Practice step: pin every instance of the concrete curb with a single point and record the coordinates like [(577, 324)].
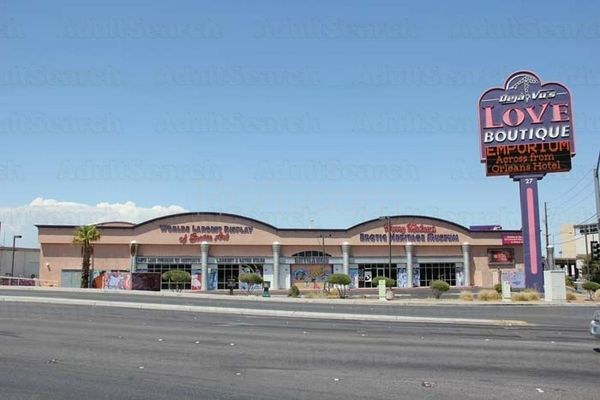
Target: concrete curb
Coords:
[(262, 313), (285, 299)]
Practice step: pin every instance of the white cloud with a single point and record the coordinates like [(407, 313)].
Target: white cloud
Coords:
[(20, 220)]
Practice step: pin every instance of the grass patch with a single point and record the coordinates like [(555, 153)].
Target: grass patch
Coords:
[(466, 295), (486, 295), (526, 295), (315, 295)]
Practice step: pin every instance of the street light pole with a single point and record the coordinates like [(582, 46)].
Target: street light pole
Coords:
[(12, 268), (322, 236)]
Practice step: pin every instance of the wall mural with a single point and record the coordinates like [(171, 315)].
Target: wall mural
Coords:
[(310, 276)]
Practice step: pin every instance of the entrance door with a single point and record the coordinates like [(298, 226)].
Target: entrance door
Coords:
[(226, 272), (70, 278)]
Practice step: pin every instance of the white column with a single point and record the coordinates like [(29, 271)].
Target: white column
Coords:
[(276, 252), (204, 260), (467, 263), (346, 257), (409, 263)]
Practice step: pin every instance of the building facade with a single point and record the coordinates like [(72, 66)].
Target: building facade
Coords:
[(26, 261), (573, 250), (217, 247)]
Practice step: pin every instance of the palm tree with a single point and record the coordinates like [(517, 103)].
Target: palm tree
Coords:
[(84, 236)]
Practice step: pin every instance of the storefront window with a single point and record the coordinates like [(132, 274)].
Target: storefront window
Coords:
[(367, 272), (162, 268), (434, 271), (232, 271)]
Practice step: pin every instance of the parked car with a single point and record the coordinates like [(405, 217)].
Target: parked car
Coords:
[(595, 324)]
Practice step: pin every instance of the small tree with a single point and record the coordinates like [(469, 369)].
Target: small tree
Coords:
[(439, 287), (178, 277), (341, 281), (591, 287), (251, 279), (389, 282)]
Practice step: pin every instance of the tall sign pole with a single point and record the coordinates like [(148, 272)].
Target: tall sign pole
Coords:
[(526, 131), (530, 222)]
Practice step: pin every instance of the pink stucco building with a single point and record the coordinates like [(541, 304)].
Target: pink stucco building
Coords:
[(216, 247)]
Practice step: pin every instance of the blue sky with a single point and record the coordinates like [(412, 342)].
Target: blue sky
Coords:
[(300, 114)]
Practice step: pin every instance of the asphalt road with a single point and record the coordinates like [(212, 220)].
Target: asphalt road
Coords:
[(83, 352), (566, 316)]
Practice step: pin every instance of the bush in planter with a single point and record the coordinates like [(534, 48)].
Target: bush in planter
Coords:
[(389, 282), (439, 287), (342, 281), (591, 287), (251, 279), (178, 277), (294, 291)]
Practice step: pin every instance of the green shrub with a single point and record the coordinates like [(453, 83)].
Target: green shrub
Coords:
[(389, 282), (439, 287), (177, 276), (339, 279), (251, 279), (466, 295), (591, 287), (342, 281), (498, 288), (294, 291), (486, 295)]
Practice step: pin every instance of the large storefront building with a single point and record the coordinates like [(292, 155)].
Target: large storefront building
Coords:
[(217, 247)]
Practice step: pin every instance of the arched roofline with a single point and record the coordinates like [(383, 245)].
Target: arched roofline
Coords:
[(274, 228), (461, 227)]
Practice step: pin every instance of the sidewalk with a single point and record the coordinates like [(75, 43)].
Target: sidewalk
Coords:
[(400, 299)]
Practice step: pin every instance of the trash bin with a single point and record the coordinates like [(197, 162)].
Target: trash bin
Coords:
[(266, 287)]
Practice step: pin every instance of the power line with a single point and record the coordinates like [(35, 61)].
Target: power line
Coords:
[(570, 240), (587, 219), (572, 187), (565, 201), (580, 223)]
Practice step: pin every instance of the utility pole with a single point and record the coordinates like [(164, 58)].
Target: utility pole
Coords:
[(597, 188)]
